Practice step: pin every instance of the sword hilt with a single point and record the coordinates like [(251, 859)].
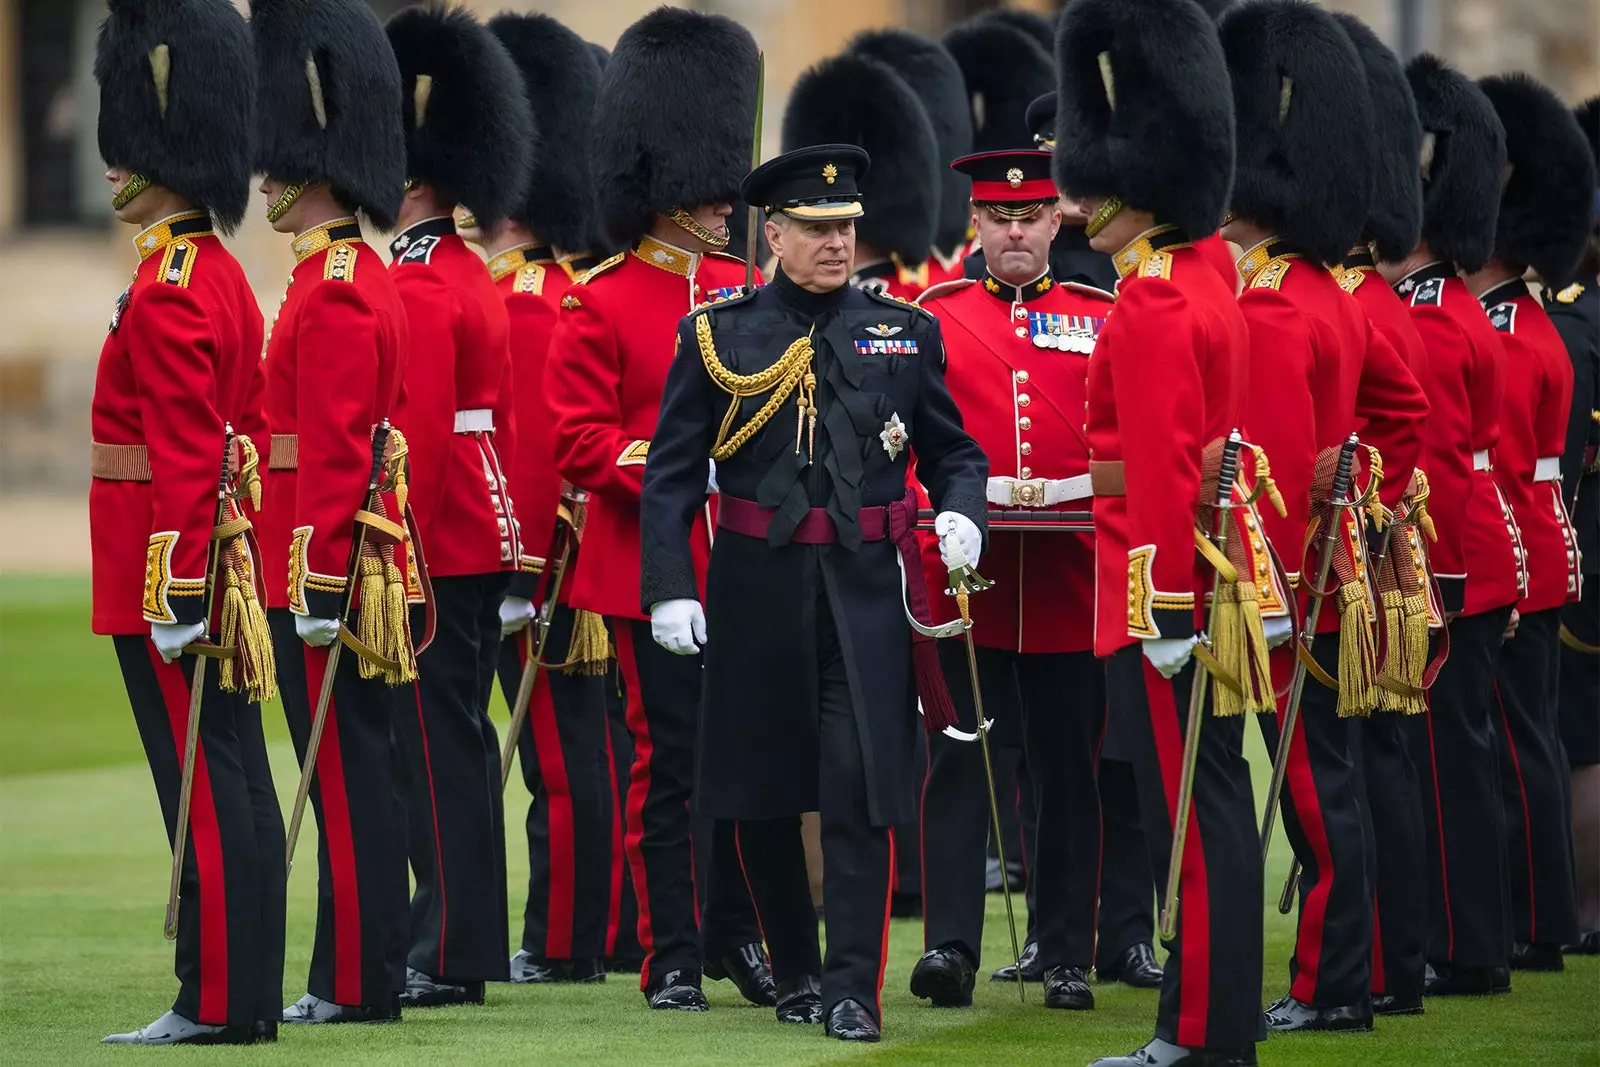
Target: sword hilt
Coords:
[(380, 444), (1343, 471), (1228, 471)]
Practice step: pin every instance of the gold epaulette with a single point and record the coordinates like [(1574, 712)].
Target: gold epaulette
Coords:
[(600, 268), (1155, 265), (1272, 274), (177, 263), (1349, 278), (340, 266), (530, 279), (1570, 294)]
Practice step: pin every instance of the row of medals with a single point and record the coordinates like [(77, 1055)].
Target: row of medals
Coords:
[(1074, 339)]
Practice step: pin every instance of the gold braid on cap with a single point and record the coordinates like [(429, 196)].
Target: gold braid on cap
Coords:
[(792, 369), (685, 221)]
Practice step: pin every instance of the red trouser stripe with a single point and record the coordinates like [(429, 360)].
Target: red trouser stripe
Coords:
[(922, 838), (1194, 994), (638, 788), (1527, 822), (618, 856), (558, 800), (1302, 784), (207, 847), (438, 840), (341, 844), (755, 903), (1444, 856), (888, 908), (1380, 981)]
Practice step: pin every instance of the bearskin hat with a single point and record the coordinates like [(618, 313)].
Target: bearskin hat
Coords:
[(1005, 68), (675, 118), (1041, 29), (561, 78), (1588, 116), (852, 99), (469, 129), (1145, 109), (1546, 206), (177, 99), (1394, 213), (1303, 125), (935, 79), (602, 55), (1041, 119), (1463, 156), (1215, 8)]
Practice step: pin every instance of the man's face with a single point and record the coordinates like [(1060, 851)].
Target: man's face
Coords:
[(289, 222), (713, 217), (815, 255), (119, 177), (1017, 250)]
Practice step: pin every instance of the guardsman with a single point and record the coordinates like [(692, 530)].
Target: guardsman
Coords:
[(1545, 208), (1475, 559), (1318, 372), (673, 127), (833, 387), (1018, 345), (1176, 323), (469, 132), (562, 745), (179, 376), (330, 146)]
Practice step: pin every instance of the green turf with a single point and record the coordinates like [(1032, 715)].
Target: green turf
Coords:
[(83, 873)]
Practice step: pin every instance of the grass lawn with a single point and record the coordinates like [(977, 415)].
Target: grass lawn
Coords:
[(83, 870)]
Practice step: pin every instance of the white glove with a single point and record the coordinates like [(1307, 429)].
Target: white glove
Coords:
[(515, 613), (1278, 630), (959, 539), (316, 632), (1169, 654), (711, 479), (170, 638), (679, 626)]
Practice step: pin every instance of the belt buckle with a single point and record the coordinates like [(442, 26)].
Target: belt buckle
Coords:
[(1028, 494)]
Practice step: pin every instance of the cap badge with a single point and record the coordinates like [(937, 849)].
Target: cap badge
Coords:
[(1014, 176), (883, 330), (830, 173), (893, 436)]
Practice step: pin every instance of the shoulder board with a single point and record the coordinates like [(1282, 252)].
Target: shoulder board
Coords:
[(340, 264), (530, 279), (1503, 317), (1271, 276), (726, 297), (177, 263), (420, 250), (1570, 294), (600, 268), (1349, 278), (1089, 290), (1430, 292), (954, 285), (729, 256), (896, 301), (1155, 265)]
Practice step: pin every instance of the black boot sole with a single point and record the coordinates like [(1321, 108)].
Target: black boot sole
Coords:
[(940, 989)]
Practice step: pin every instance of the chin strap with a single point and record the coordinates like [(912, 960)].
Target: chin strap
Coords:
[(280, 207), (686, 222), (137, 183), (1102, 217)]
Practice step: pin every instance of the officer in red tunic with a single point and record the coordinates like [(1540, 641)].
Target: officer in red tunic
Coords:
[(673, 125), (1544, 211), (179, 374), (469, 132), (1177, 324), (1476, 557), (1018, 347), (1318, 371), (334, 359)]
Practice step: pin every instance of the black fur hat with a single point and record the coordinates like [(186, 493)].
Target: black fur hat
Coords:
[(1145, 109), (177, 99), (1394, 214), (330, 102), (1035, 25), (602, 55), (935, 78), (561, 78), (1588, 116), (1548, 202), (1463, 157), (1005, 69), (469, 130), (675, 118), (1303, 125), (853, 99), (1215, 8)]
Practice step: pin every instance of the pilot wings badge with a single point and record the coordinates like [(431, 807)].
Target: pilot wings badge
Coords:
[(883, 330)]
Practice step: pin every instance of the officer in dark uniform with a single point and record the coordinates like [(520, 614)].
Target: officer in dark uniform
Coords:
[(810, 395)]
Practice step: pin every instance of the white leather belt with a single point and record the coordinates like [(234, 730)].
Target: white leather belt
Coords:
[(1547, 469), (1037, 492), (1480, 460), (475, 420)]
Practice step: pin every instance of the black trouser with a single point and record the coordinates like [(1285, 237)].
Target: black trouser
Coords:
[(358, 954), (622, 915), (908, 842), (1579, 689), (563, 751), (1060, 698), (454, 803), (1211, 995), (1535, 784), (1464, 820), (1325, 819), (229, 954), (1398, 861), (1129, 882)]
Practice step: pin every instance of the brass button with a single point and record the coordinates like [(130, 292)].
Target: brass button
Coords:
[(1022, 313), (1022, 331), (1022, 377), (1025, 448), (1023, 400), (1027, 472), (1024, 423)]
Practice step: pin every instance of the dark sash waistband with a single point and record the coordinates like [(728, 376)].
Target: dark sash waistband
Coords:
[(817, 528)]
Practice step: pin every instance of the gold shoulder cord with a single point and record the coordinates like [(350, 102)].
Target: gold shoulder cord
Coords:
[(792, 369)]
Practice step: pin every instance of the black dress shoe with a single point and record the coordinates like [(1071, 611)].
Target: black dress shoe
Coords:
[(1444, 980), (1500, 980), (264, 1032), (944, 976), (1136, 966), (1587, 945), (1160, 1053), (748, 967), (849, 1021), (311, 1011), (174, 1029), (624, 964), (1068, 987), (800, 1001), (526, 969), (677, 991), (426, 991), (1397, 1004), (1296, 1016), (1032, 969), (1539, 956)]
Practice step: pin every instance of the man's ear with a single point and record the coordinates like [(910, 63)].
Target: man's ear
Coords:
[(774, 234), (1055, 222)]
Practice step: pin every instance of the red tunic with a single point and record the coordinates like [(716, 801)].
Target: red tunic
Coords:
[(941, 268), (1167, 377), (179, 364), (1219, 254), (458, 387), (892, 278), (334, 362), (1533, 429), (608, 361)]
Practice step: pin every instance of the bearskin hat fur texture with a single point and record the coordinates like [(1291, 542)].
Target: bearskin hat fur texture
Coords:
[(1588, 116), (935, 79), (562, 79), (1303, 123), (177, 99), (1394, 214), (1463, 156), (1005, 69), (469, 130), (1548, 201), (1145, 109), (1041, 29), (1215, 8), (675, 118), (853, 99)]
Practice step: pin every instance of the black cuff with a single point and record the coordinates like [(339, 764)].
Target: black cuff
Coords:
[(665, 576), (974, 506), (322, 604), (1173, 623), (1453, 594), (524, 584)]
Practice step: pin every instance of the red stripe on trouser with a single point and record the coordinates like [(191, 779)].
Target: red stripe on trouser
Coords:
[(1527, 822), (341, 844), (438, 840), (1444, 862), (618, 856), (755, 904), (1314, 910), (638, 788), (206, 848), (1194, 994), (558, 801), (922, 838), (1380, 981), (888, 909)]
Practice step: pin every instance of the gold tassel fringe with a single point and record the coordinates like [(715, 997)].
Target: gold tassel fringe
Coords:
[(1414, 615), (252, 669), (369, 617), (384, 623), (1256, 670), (590, 648), (1394, 662), (1228, 646), (1357, 656)]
